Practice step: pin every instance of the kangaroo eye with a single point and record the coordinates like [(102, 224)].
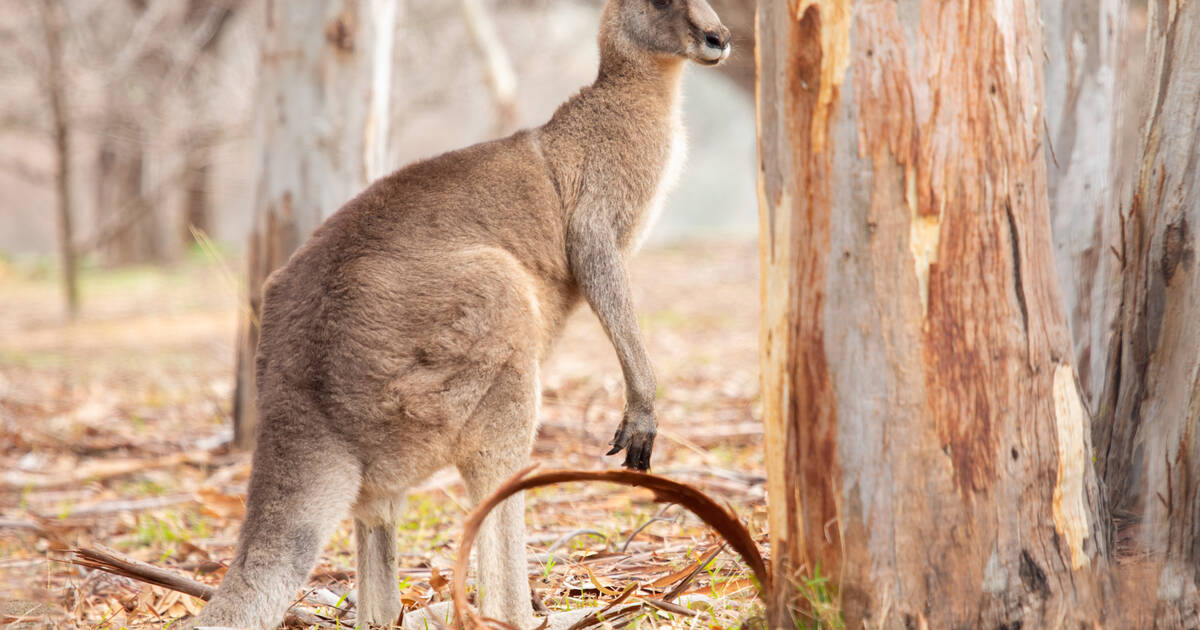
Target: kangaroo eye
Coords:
[(661, 4)]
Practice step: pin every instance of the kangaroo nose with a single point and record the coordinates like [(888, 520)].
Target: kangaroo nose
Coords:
[(716, 39)]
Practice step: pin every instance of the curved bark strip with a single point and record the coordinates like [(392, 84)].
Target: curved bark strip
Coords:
[(723, 521), (1148, 433), (928, 444)]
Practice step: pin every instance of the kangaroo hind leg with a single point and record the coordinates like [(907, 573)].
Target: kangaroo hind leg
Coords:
[(501, 436), (298, 495), (378, 591)]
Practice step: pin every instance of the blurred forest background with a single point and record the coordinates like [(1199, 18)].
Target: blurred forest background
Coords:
[(116, 420), (159, 98)]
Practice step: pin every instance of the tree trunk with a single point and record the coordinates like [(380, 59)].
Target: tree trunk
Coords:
[(927, 444), (56, 93), (129, 226), (1083, 40), (197, 209), (317, 132), (1147, 431)]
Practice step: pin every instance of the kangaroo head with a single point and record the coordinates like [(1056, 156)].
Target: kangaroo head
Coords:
[(679, 28)]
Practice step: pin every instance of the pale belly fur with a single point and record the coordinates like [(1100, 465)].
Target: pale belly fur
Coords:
[(666, 183)]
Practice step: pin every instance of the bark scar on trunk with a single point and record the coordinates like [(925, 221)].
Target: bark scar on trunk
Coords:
[(925, 234), (1177, 247), (835, 60), (1070, 422), (1018, 283)]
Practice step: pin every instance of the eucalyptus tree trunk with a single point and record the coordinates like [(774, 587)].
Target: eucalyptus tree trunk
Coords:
[(1147, 431), (928, 446), (322, 132)]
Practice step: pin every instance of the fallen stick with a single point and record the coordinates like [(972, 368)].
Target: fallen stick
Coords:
[(97, 470), (657, 517), (110, 561), (670, 607), (567, 538), (125, 505)]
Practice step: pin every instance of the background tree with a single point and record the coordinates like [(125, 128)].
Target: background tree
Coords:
[(155, 128), (55, 86), (112, 78), (927, 443)]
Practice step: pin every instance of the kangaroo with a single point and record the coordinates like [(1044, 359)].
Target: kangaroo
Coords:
[(407, 333)]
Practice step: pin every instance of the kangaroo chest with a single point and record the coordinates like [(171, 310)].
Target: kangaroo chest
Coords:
[(666, 179)]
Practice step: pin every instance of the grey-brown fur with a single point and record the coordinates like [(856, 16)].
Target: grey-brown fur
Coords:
[(407, 333)]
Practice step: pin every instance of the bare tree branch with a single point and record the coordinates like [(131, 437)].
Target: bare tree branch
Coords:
[(502, 79)]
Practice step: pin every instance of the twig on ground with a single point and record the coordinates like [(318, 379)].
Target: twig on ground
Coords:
[(110, 561), (128, 505), (657, 517), (98, 470), (670, 607), (567, 538)]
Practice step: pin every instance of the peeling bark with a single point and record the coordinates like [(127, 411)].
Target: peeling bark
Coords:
[(927, 439), (319, 130)]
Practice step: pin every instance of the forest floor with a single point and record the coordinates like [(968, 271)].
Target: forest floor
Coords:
[(115, 431)]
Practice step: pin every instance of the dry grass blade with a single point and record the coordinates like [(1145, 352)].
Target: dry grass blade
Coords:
[(601, 586), (595, 617), (670, 607), (657, 517), (665, 490), (691, 574)]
